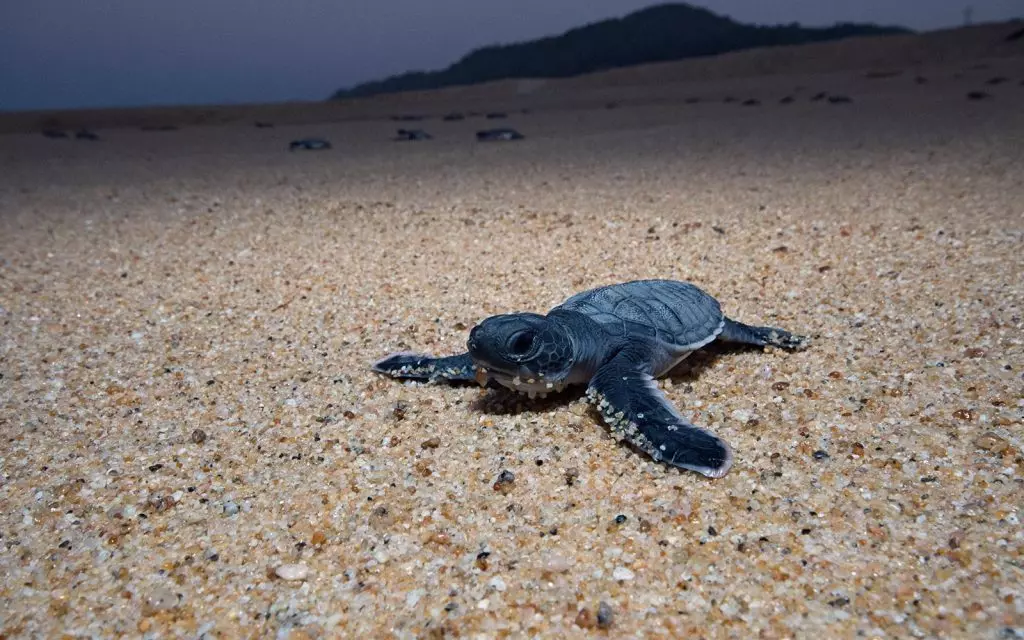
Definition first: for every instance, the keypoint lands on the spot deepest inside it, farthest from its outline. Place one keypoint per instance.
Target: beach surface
(194, 444)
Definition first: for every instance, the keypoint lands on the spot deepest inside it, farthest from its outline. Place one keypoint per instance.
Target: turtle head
(525, 352)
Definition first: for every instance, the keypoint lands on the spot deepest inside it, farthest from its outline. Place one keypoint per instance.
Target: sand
(194, 445)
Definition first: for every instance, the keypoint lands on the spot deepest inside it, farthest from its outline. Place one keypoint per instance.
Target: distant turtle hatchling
(412, 135)
(309, 144)
(616, 340)
(499, 134)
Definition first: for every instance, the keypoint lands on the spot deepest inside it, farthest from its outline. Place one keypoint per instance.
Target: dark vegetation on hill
(656, 34)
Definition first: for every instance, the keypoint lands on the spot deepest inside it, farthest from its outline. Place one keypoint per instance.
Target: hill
(656, 34)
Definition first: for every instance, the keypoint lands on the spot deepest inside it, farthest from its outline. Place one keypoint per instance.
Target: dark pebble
(821, 454)
(605, 615)
(399, 411)
(570, 476)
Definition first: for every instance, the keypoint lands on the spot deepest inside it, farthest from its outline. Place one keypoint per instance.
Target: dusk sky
(92, 53)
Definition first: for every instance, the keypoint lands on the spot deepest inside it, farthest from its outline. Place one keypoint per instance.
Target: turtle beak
(481, 376)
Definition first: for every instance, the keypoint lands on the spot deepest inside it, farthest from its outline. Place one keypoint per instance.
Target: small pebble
(820, 454)
(481, 560)
(963, 414)
(741, 415)
(622, 573)
(584, 619)
(991, 441)
(158, 600)
(571, 476)
(605, 615)
(230, 508)
(506, 480)
(292, 572)
(399, 411)
(198, 436)
(557, 564)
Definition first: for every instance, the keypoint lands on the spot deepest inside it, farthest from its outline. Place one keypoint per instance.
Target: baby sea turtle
(503, 133)
(309, 144)
(412, 135)
(615, 339)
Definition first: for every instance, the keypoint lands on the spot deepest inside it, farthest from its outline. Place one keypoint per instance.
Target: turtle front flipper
(631, 403)
(416, 366)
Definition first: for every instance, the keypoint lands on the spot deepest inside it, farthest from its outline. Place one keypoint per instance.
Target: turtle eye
(520, 343)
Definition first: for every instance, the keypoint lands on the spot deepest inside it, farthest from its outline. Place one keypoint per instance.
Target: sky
(98, 53)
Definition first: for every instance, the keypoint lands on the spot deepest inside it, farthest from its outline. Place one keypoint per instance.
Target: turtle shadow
(499, 401)
(687, 371)
(503, 402)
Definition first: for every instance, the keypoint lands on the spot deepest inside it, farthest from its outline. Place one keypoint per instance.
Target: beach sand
(193, 442)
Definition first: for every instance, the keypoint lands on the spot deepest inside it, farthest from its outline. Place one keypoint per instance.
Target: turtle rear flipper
(762, 336)
(629, 401)
(417, 366)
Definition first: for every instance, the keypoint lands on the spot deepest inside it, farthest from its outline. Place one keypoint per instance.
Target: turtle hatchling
(616, 340)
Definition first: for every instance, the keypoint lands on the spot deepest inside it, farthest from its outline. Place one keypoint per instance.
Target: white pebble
(741, 415)
(161, 599)
(498, 583)
(557, 564)
(292, 572)
(414, 596)
(622, 573)
(729, 608)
